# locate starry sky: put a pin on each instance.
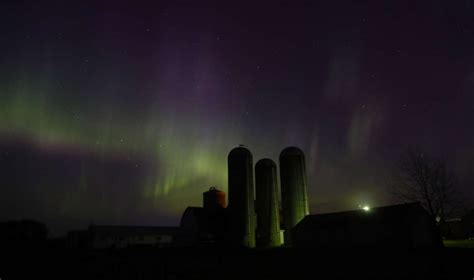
(119, 113)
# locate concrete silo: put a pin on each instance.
(293, 188)
(268, 220)
(241, 198)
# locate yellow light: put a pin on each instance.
(366, 208)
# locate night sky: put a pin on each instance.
(115, 113)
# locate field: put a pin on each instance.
(444, 263)
(459, 243)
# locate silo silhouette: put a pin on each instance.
(293, 188)
(268, 221)
(241, 198)
(213, 199)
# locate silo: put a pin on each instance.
(268, 221)
(241, 198)
(293, 188)
(214, 199)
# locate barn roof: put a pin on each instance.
(385, 214)
(121, 230)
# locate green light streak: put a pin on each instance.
(187, 159)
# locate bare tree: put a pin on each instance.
(428, 181)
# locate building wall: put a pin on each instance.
(111, 241)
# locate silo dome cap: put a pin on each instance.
(240, 151)
(291, 151)
(265, 162)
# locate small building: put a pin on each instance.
(401, 226)
(467, 222)
(459, 228)
(453, 229)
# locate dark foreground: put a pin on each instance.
(149, 263)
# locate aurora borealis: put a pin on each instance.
(125, 114)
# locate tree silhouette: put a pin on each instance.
(428, 181)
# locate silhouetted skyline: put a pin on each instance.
(124, 113)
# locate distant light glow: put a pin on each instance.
(364, 207)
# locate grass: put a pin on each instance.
(459, 243)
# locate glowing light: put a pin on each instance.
(365, 207)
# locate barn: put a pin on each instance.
(403, 226)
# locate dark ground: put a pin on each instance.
(149, 263)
